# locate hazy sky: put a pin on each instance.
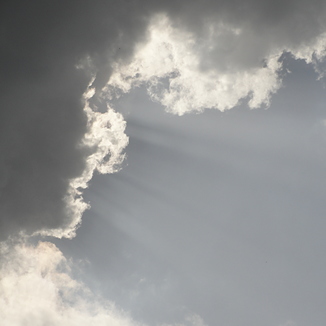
(162, 163)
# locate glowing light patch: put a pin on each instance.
(107, 140)
(170, 65)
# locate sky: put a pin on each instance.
(162, 163)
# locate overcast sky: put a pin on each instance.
(162, 163)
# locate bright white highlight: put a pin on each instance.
(171, 66)
(313, 52)
(106, 141)
(189, 73)
(37, 288)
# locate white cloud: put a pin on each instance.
(106, 140)
(189, 72)
(49, 152)
(210, 56)
(192, 57)
(170, 64)
(37, 288)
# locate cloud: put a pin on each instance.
(62, 62)
(52, 136)
(170, 64)
(190, 57)
(47, 161)
(37, 287)
(219, 60)
(105, 141)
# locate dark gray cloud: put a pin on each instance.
(266, 24)
(42, 43)
(42, 116)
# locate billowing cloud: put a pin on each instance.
(105, 142)
(63, 62)
(171, 65)
(37, 288)
(219, 59)
(190, 57)
(52, 137)
(47, 162)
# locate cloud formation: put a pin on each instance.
(37, 288)
(220, 57)
(171, 65)
(190, 57)
(52, 138)
(63, 62)
(47, 162)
